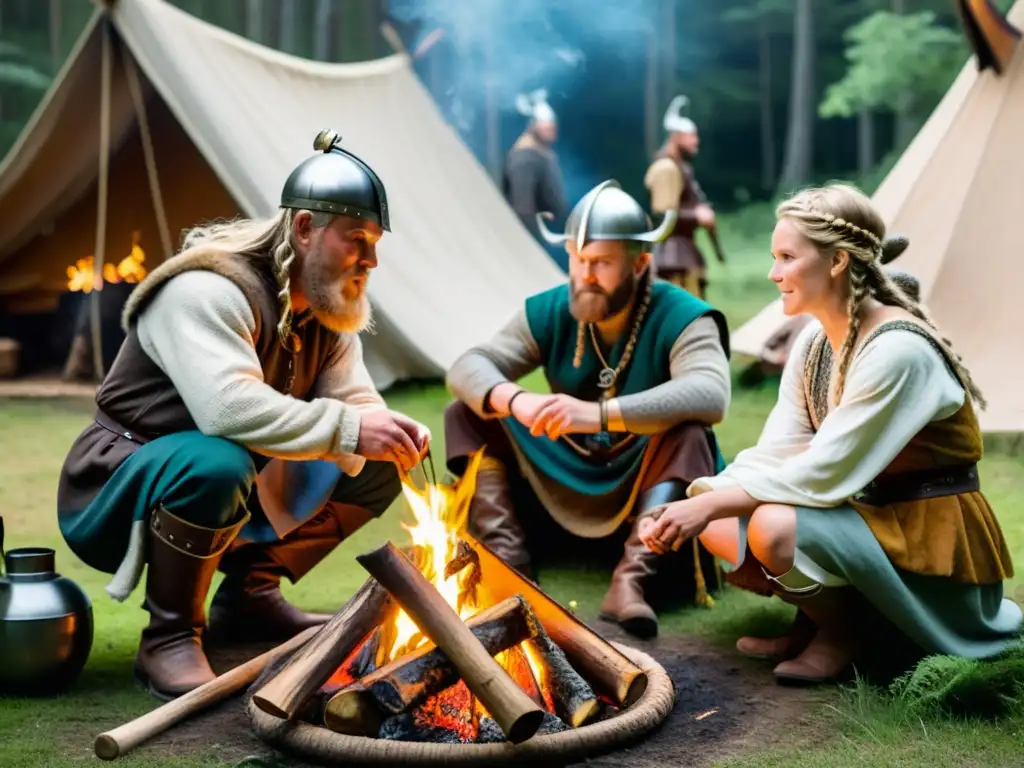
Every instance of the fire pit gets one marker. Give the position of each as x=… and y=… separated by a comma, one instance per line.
x=448, y=655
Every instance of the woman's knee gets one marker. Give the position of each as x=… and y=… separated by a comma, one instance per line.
x=771, y=535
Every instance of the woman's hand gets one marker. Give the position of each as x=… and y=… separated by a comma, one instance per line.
x=670, y=526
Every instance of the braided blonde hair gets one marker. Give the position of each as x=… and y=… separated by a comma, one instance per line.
x=266, y=240
x=841, y=217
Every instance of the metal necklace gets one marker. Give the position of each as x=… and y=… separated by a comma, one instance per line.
x=607, y=377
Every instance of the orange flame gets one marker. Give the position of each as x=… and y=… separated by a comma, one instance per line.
x=440, y=514
x=82, y=276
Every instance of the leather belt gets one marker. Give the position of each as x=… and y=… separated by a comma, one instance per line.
x=924, y=484
x=112, y=426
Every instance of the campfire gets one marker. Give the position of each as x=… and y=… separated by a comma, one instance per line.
x=82, y=275
x=447, y=644
x=444, y=654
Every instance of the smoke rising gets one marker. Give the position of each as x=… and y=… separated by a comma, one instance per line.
x=518, y=46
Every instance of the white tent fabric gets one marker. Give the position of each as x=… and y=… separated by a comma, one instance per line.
x=457, y=263
x=956, y=194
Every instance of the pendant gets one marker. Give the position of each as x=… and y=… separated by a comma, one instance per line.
x=606, y=379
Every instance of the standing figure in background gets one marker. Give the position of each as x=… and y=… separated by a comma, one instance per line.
x=532, y=179
x=673, y=186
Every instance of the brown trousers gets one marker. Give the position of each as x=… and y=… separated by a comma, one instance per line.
x=683, y=453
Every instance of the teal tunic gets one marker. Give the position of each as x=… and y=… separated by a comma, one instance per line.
x=554, y=329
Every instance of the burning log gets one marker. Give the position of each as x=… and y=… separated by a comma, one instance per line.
x=284, y=695
x=601, y=664
x=407, y=682
x=573, y=698
x=514, y=711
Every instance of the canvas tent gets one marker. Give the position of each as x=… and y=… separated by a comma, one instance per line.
x=217, y=125
x=956, y=193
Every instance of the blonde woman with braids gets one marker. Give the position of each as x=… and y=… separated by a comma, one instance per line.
x=861, y=501
x=241, y=361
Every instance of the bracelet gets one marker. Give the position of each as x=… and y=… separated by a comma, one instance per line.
x=602, y=405
x=511, y=399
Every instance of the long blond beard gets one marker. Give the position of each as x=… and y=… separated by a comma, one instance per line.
x=355, y=317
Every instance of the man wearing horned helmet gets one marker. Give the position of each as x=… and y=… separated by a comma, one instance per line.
x=532, y=179
x=238, y=427
x=638, y=373
x=673, y=187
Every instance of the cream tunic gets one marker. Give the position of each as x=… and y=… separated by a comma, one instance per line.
x=896, y=384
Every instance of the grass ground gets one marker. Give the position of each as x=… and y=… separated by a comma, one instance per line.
x=858, y=726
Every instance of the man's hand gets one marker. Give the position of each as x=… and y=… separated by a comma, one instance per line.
x=565, y=415
x=673, y=525
x=526, y=406
x=389, y=436
x=705, y=215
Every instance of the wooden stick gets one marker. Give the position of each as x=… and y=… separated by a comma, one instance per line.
x=113, y=744
x=284, y=694
x=603, y=666
x=407, y=682
x=513, y=710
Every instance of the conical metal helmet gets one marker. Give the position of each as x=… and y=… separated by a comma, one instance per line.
x=336, y=181
x=608, y=213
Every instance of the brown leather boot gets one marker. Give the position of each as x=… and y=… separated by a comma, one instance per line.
x=492, y=518
x=841, y=619
x=784, y=647
x=249, y=606
x=624, y=603
x=182, y=561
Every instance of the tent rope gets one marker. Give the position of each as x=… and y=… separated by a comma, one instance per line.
x=106, y=71
x=135, y=87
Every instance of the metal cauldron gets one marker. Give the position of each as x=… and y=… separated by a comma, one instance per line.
x=46, y=624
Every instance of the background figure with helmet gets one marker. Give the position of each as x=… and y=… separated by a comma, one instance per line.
x=673, y=186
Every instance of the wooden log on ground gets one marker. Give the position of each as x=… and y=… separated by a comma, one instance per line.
x=605, y=668
x=518, y=716
x=114, y=743
x=407, y=682
x=284, y=694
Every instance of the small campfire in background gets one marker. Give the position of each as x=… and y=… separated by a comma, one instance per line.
x=446, y=643
x=82, y=276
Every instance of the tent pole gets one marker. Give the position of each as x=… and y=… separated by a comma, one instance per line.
x=135, y=87
x=101, y=201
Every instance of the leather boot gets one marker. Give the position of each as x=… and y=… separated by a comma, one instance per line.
x=249, y=606
x=624, y=602
x=840, y=618
x=784, y=647
x=182, y=561
x=492, y=517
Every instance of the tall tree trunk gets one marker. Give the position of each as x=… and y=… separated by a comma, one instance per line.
x=254, y=20
x=797, y=164
x=865, y=142
x=56, y=54
x=905, y=127
x=768, y=171
x=669, y=66
x=652, y=125
x=322, y=41
x=286, y=38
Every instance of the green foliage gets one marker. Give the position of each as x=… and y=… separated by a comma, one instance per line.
x=892, y=57
x=991, y=688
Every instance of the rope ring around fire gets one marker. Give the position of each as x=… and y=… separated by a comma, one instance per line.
x=331, y=748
